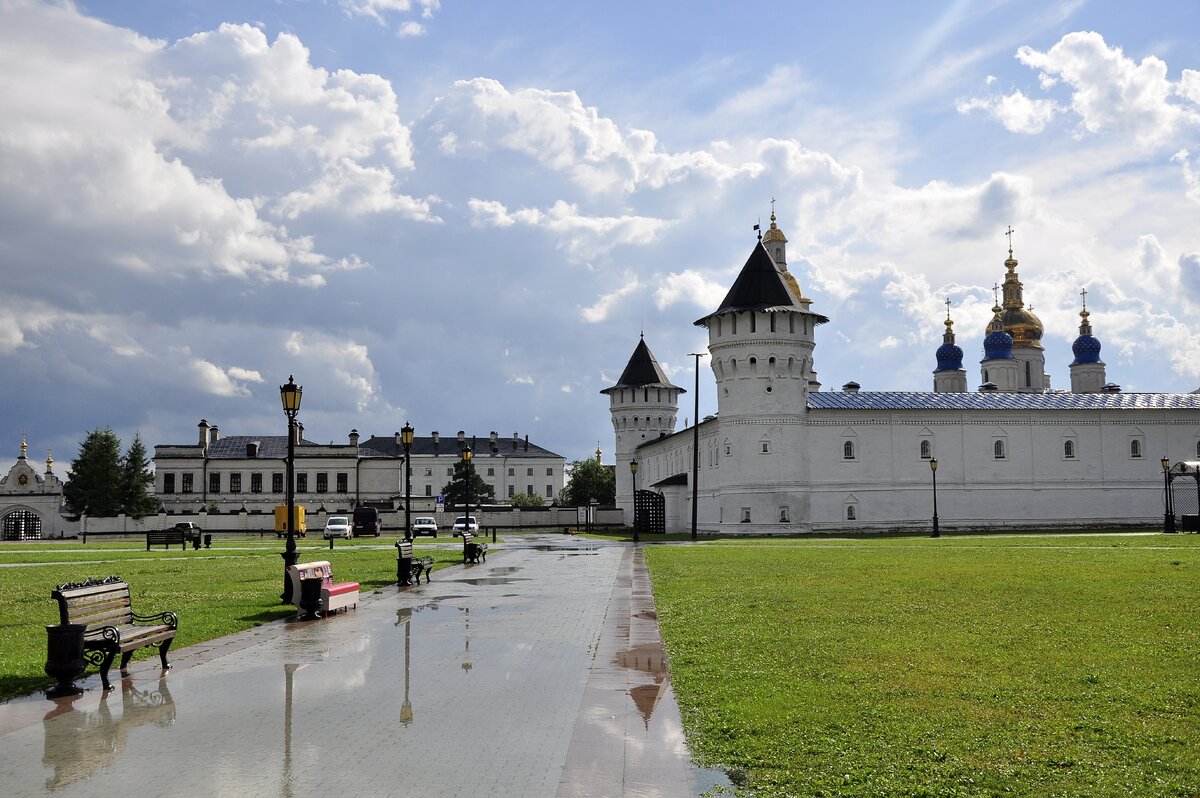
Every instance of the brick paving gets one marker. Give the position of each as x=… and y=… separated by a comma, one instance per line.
x=539, y=673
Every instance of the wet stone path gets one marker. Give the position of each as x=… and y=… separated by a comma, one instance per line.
x=539, y=673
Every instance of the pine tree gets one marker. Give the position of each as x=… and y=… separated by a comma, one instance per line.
x=137, y=481
x=455, y=490
x=94, y=484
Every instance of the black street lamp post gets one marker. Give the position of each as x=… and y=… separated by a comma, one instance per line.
x=933, y=470
x=290, y=396
x=406, y=439
x=633, y=467
x=695, y=446
x=1168, y=510
x=467, y=454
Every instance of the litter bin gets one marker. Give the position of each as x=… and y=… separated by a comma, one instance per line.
x=208, y=541
x=64, y=657
x=310, y=598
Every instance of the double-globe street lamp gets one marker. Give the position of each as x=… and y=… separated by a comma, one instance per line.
x=290, y=396
x=1168, y=510
x=406, y=440
x=633, y=467
x=933, y=470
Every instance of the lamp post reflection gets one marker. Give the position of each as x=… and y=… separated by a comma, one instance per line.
x=289, y=670
x=404, y=615
x=466, y=663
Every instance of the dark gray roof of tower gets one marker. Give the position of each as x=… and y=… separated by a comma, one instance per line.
x=643, y=371
x=759, y=287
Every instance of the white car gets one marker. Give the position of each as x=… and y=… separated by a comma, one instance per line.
x=339, y=526
x=466, y=522
x=424, y=525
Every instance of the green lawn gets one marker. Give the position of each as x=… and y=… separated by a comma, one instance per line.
x=1006, y=665
x=219, y=591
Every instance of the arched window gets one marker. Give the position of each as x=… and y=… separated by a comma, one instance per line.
x=753, y=322
x=850, y=513
x=1069, y=450
x=772, y=317
x=926, y=450
x=1028, y=374
x=998, y=450
x=1135, y=448
x=848, y=450
x=791, y=323
x=733, y=324
x=1198, y=450
x=985, y=377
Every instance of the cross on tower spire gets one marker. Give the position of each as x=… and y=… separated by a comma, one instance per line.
x=1009, y=233
x=996, y=293
x=1083, y=293
x=947, y=308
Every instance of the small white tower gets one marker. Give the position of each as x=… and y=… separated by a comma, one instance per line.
x=643, y=405
x=1087, y=370
x=761, y=341
x=950, y=376
x=999, y=367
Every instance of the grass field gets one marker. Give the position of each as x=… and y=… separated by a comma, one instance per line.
x=1024, y=665
x=215, y=592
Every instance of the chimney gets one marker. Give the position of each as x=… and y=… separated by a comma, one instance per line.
x=203, y=425
x=298, y=433
x=851, y=387
x=492, y=437
x=516, y=440
x=461, y=438
x=436, y=439
x=213, y=435
x=354, y=438
x=526, y=443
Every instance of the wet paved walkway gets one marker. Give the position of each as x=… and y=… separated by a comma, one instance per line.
x=539, y=673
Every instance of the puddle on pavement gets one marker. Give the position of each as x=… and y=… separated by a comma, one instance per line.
x=506, y=569
x=492, y=580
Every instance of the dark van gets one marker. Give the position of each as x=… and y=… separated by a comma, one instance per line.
x=367, y=522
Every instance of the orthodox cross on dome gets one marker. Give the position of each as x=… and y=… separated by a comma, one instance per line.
x=772, y=206
x=947, y=308
x=996, y=293
x=1009, y=233
x=1083, y=293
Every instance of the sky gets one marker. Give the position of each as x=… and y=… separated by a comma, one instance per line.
x=463, y=214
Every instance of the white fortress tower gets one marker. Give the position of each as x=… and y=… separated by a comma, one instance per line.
x=643, y=405
x=761, y=342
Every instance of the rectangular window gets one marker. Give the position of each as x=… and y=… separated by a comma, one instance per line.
x=549, y=472
x=277, y=483
x=214, y=482
x=429, y=490
x=322, y=482
x=512, y=472
x=168, y=483
x=549, y=491
x=449, y=472
x=302, y=483
x=235, y=483
x=529, y=490
x=511, y=491
x=343, y=482
x=491, y=472
x=187, y=482
x=428, y=472
x=529, y=472
x=256, y=483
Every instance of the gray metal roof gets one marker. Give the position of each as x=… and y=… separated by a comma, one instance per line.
x=643, y=371
x=915, y=400
x=447, y=445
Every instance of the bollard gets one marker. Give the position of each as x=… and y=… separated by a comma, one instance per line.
x=331, y=544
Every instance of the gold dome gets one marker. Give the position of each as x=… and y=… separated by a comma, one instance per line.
x=774, y=233
x=1024, y=327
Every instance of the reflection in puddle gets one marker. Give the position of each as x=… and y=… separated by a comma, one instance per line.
x=79, y=743
x=507, y=569
x=493, y=580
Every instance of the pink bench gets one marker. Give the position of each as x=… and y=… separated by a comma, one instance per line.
x=334, y=595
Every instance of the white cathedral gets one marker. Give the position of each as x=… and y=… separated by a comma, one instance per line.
x=781, y=456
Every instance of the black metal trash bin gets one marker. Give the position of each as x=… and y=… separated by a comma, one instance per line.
x=208, y=541
x=1191, y=523
x=310, y=598
x=64, y=657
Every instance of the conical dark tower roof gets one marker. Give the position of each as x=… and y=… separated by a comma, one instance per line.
x=643, y=371
x=759, y=286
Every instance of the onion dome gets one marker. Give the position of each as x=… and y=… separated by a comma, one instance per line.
x=1086, y=347
x=773, y=233
x=949, y=354
x=1024, y=327
x=998, y=343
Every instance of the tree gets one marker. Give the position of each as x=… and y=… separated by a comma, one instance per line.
x=590, y=480
x=137, y=481
x=94, y=481
x=455, y=490
x=527, y=500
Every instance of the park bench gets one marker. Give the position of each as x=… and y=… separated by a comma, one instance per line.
x=473, y=552
x=334, y=595
x=104, y=606
x=408, y=568
x=165, y=538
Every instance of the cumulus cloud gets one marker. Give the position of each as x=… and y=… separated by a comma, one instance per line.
x=379, y=9
x=556, y=129
x=1152, y=269
x=1191, y=173
x=599, y=311
x=347, y=362
x=689, y=286
x=520, y=379
x=410, y=29
x=1109, y=92
x=214, y=380
x=1015, y=111
x=576, y=232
